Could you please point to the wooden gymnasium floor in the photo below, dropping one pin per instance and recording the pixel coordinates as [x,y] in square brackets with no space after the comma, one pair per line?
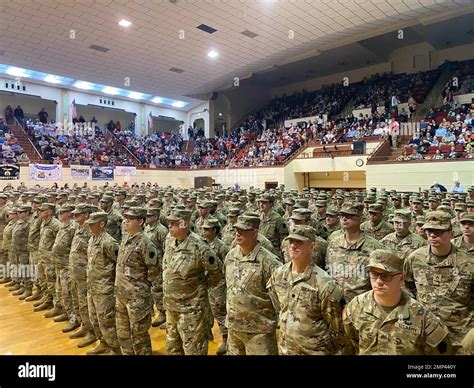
[24,332]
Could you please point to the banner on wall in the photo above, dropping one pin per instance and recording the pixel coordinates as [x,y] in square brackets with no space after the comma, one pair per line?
[9,171]
[103,173]
[80,172]
[125,170]
[46,172]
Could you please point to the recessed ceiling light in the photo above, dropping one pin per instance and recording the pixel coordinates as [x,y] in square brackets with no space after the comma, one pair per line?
[52,79]
[110,90]
[178,104]
[83,85]
[220,114]
[135,95]
[212,54]
[17,72]
[125,23]
[157,100]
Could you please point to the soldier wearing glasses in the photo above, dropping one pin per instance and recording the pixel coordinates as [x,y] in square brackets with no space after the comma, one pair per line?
[386,320]
[441,277]
[348,252]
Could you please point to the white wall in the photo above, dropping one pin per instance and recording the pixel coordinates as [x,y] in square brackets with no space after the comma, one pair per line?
[198,113]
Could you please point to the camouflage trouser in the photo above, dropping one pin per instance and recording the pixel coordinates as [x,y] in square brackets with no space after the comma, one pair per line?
[50,279]
[25,276]
[187,333]
[63,291]
[157,293]
[133,317]
[39,269]
[251,344]
[102,317]
[3,262]
[79,302]
[217,300]
[13,260]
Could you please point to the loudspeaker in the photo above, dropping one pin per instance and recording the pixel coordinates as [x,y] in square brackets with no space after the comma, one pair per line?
[359,147]
[203,181]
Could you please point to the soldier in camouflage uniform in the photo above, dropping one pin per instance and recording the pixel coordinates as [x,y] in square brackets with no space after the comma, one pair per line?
[61,249]
[459,209]
[190,267]
[251,319]
[386,320]
[204,214]
[466,241]
[310,321]
[348,252]
[137,270]
[318,257]
[331,223]
[7,246]
[102,254]
[376,227]
[166,208]
[3,223]
[217,293]
[252,204]
[156,232]
[214,213]
[33,243]
[441,277]
[228,232]
[78,274]
[49,229]
[20,249]
[272,225]
[402,240]
[114,218]
[468,343]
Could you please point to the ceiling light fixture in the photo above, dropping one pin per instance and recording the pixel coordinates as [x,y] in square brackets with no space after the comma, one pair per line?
[157,100]
[17,72]
[125,23]
[110,90]
[212,54]
[52,79]
[83,85]
[135,95]
[178,104]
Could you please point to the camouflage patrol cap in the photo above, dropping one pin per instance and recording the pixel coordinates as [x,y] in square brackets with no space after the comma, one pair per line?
[375,208]
[155,202]
[416,200]
[433,199]
[439,220]
[420,220]
[469,217]
[180,214]
[65,208]
[402,215]
[470,204]
[211,223]
[373,189]
[152,211]
[301,214]
[40,199]
[4,197]
[267,197]
[205,204]
[460,207]
[396,197]
[107,199]
[129,203]
[245,222]
[353,208]
[233,212]
[121,192]
[82,208]
[446,209]
[97,217]
[24,208]
[332,211]
[169,194]
[385,260]
[47,206]
[12,210]
[302,233]
[220,197]
[136,212]
[61,195]
[321,203]
[445,202]
[369,199]
[289,202]
[301,203]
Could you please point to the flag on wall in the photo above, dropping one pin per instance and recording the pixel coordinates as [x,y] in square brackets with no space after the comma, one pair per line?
[150,121]
[73,109]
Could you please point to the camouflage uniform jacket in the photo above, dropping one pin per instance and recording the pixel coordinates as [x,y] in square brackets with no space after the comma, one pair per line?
[347,263]
[7,235]
[461,245]
[310,312]
[34,233]
[249,308]
[114,224]
[379,231]
[157,234]
[3,221]
[137,267]
[20,237]
[78,254]
[274,228]
[228,234]
[404,246]
[264,242]
[218,246]
[102,257]
[62,244]
[409,329]
[445,286]
[48,232]
[188,267]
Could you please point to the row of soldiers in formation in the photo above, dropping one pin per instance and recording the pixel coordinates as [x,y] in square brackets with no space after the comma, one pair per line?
[352,273]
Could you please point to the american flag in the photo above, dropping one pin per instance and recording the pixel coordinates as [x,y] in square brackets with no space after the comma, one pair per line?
[150,121]
[73,109]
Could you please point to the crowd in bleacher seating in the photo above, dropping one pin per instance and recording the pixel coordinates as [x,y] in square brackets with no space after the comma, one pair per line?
[11,151]
[83,144]
[443,135]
